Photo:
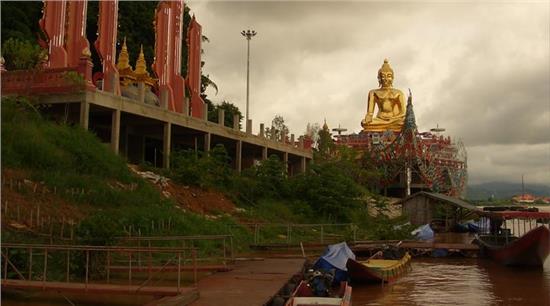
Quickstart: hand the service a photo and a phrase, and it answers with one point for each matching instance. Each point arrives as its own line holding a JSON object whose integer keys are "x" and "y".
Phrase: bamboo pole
{"x": 30, "y": 264}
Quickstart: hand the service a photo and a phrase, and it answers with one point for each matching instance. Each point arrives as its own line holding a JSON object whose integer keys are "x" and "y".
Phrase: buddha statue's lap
{"x": 389, "y": 101}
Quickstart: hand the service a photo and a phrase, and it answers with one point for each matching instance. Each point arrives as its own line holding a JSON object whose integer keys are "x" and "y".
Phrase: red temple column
{"x": 194, "y": 68}
{"x": 105, "y": 44}
{"x": 76, "y": 42}
{"x": 167, "y": 63}
{"x": 53, "y": 26}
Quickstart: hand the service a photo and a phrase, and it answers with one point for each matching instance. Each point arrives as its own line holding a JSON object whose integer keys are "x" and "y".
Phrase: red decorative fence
{"x": 54, "y": 80}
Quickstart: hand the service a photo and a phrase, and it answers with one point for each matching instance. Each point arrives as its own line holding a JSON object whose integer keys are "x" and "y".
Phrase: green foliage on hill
{"x": 70, "y": 158}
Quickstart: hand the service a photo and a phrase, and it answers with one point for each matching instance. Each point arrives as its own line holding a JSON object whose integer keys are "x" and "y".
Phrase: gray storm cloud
{"x": 481, "y": 70}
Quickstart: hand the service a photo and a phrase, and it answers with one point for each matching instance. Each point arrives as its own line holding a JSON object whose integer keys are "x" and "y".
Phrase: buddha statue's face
{"x": 385, "y": 79}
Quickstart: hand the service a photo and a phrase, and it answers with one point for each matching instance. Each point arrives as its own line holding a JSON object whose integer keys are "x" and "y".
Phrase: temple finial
{"x": 141, "y": 73}
{"x": 141, "y": 65}
{"x": 124, "y": 58}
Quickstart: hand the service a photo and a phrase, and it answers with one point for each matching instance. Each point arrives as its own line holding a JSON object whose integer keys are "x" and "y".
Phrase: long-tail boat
{"x": 305, "y": 295}
{"x": 378, "y": 269}
{"x": 516, "y": 238}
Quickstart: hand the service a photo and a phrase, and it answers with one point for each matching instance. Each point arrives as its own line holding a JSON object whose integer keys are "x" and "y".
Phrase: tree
{"x": 325, "y": 144}
{"x": 230, "y": 110}
{"x": 278, "y": 128}
{"x": 22, "y": 54}
{"x": 20, "y": 20}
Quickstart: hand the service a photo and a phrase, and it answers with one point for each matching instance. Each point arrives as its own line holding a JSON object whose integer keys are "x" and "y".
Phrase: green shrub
{"x": 22, "y": 54}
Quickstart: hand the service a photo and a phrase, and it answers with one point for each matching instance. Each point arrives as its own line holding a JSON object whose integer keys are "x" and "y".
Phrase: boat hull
{"x": 531, "y": 249}
{"x": 303, "y": 296}
{"x": 359, "y": 272}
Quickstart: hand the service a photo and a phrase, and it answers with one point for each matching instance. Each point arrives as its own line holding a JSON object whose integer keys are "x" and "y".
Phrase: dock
{"x": 251, "y": 282}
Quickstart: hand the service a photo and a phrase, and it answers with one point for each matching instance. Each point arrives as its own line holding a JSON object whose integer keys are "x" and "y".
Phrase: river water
{"x": 461, "y": 281}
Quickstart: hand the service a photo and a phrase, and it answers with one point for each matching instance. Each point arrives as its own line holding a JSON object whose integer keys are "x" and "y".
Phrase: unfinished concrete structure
{"x": 139, "y": 131}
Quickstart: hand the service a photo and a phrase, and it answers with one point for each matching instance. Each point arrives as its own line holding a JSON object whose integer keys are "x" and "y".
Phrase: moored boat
{"x": 378, "y": 269}
{"x": 516, "y": 238}
{"x": 305, "y": 295}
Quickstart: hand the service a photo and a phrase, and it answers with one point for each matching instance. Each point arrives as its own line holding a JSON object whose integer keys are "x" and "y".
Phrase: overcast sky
{"x": 480, "y": 70}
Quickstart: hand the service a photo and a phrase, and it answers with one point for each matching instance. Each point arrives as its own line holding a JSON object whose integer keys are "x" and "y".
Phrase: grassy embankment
{"x": 113, "y": 199}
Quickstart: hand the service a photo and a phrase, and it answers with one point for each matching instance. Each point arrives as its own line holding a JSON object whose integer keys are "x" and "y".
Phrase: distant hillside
{"x": 504, "y": 190}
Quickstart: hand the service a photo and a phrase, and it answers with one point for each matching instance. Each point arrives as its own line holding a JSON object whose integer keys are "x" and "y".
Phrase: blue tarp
{"x": 335, "y": 257}
{"x": 424, "y": 232}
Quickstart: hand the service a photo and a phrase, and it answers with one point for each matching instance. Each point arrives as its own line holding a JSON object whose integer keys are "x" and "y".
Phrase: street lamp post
{"x": 248, "y": 34}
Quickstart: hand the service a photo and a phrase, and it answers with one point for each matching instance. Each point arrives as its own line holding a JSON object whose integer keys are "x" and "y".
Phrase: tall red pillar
{"x": 194, "y": 68}
{"x": 105, "y": 44}
{"x": 167, "y": 64}
{"x": 76, "y": 42}
{"x": 53, "y": 26}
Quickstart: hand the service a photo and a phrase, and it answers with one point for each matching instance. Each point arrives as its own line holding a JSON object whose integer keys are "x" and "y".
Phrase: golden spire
{"x": 141, "y": 65}
{"x": 141, "y": 73}
{"x": 385, "y": 67}
{"x": 124, "y": 58}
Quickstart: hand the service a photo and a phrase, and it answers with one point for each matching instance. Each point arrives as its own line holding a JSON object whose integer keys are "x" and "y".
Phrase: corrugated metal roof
{"x": 444, "y": 198}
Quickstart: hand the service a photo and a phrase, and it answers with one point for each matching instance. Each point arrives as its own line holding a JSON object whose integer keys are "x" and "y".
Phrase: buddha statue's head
{"x": 385, "y": 75}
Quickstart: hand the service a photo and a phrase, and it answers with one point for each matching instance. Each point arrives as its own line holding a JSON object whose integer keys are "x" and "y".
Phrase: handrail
{"x": 96, "y": 248}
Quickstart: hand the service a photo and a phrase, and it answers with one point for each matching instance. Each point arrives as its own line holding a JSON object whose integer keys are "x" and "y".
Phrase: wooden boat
{"x": 378, "y": 270}
{"x": 304, "y": 295}
{"x": 506, "y": 245}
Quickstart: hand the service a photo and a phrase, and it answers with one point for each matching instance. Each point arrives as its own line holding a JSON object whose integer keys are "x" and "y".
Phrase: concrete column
{"x": 141, "y": 92}
{"x": 221, "y": 117}
{"x": 264, "y": 153}
{"x": 285, "y": 160}
{"x": 167, "y": 145}
{"x": 115, "y": 130}
{"x": 84, "y": 114}
{"x": 164, "y": 97}
{"x": 207, "y": 138}
{"x": 205, "y": 112}
{"x": 303, "y": 165}
{"x": 236, "y": 120}
{"x": 186, "y": 103}
{"x": 292, "y": 140}
{"x": 239, "y": 156}
{"x": 262, "y": 132}
{"x": 283, "y": 137}
{"x": 249, "y": 126}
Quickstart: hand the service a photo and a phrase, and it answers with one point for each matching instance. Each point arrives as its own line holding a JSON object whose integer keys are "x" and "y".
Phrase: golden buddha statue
{"x": 390, "y": 102}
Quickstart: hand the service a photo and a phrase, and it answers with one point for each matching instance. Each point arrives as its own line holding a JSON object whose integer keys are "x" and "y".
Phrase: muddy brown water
{"x": 444, "y": 281}
{"x": 461, "y": 281}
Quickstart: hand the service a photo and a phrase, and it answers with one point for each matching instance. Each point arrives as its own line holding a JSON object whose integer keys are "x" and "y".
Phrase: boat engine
{"x": 320, "y": 281}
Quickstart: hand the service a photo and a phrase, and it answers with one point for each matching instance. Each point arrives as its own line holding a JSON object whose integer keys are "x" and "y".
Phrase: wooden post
{"x": 68, "y": 278}
{"x": 179, "y": 271}
{"x": 87, "y": 268}
{"x": 6, "y": 263}
{"x": 44, "y": 274}
{"x": 130, "y": 270}
{"x": 194, "y": 252}
{"x": 29, "y": 277}
{"x": 108, "y": 266}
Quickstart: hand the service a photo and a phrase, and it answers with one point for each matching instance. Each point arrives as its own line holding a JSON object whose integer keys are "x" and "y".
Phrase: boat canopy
{"x": 338, "y": 255}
